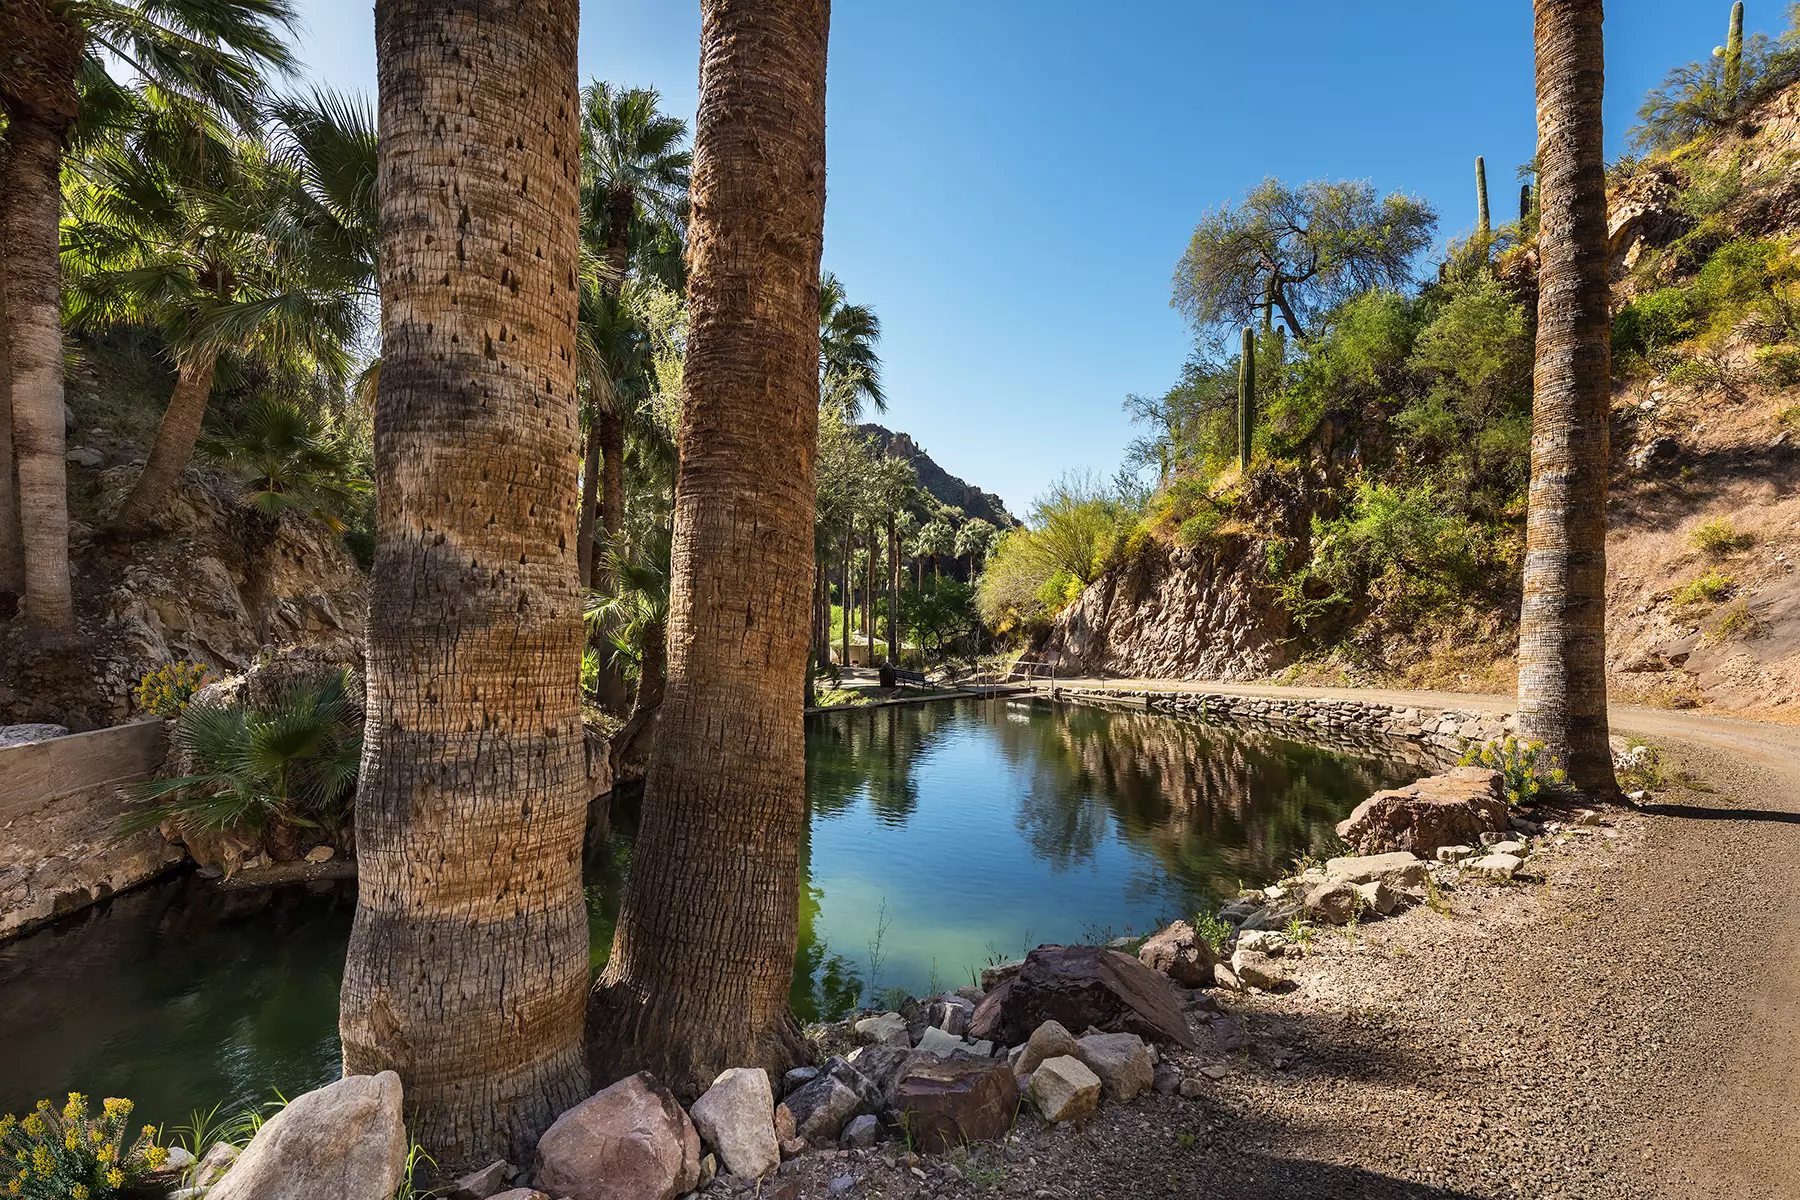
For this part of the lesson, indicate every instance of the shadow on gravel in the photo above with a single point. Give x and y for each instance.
(1702, 812)
(1343, 1046)
(1261, 1177)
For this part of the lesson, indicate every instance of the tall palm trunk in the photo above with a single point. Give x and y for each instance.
(468, 963)
(1562, 626)
(590, 491)
(33, 298)
(703, 956)
(846, 602)
(868, 606)
(174, 444)
(12, 551)
(608, 438)
(893, 548)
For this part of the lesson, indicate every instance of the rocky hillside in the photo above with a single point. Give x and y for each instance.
(1704, 516)
(943, 486)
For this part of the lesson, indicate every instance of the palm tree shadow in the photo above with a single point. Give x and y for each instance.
(1270, 1177)
(1705, 812)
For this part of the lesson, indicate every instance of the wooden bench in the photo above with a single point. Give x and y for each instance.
(892, 676)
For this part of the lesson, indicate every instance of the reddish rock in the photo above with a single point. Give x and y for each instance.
(1181, 954)
(956, 1101)
(1082, 987)
(631, 1141)
(1442, 810)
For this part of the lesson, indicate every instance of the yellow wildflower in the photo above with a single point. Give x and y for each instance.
(156, 1156)
(103, 1154)
(78, 1192)
(115, 1178)
(114, 1106)
(34, 1125)
(71, 1140)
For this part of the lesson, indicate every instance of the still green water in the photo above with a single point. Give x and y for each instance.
(941, 837)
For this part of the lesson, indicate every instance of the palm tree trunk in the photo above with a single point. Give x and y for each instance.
(468, 963)
(33, 296)
(653, 673)
(868, 606)
(703, 957)
(1562, 626)
(590, 492)
(174, 444)
(12, 551)
(846, 603)
(893, 549)
(610, 688)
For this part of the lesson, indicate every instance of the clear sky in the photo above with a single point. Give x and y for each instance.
(1012, 181)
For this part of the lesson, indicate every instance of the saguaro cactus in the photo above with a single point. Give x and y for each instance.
(1482, 224)
(1524, 203)
(1734, 52)
(1246, 397)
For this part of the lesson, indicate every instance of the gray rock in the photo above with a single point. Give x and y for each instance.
(736, 1117)
(1452, 854)
(214, 1163)
(1167, 1079)
(1192, 1089)
(936, 1041)
(1333, 902)
(1378, 898)
(1049, 1040)
(888, 1027)
(1256, 969)
(862, 1132)
(85, 456)
(841, 1186)
(25, 735)
(972, 994)
(630, 1141)
(1273, 916)
(1225, 977)
(1508, 847)
(1488, 839)
(871, 1069)
(1397, 869)
(950, 1014)
(480, 1185)
(992, 977)
(1063, 1089)
(1121, 1061)
(346, 1140)
(1499, 866)
(798, 1078)
(1264, 941)
(1180, 953)
(820, 1109)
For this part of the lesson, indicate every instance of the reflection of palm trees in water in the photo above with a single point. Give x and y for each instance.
(1215, 805)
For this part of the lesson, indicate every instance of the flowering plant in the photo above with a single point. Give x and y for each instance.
(70, 1155)
(167, 690)
(1517, 762)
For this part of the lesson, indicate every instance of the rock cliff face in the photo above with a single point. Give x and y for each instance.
(215, 586)
(1175, 614)
(947, 488)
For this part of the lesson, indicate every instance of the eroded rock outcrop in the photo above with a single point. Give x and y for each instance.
(1440, 810)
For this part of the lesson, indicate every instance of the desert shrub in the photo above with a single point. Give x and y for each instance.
(292, 763)
(1718, 537)
(1202, 526)
(1665, 317)
(1709, 588)
(73, 1155)
(165, 691)
(1517, 762)
(1779, 367)
(1737, 623)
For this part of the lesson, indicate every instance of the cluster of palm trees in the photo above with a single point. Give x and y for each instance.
(522, 223)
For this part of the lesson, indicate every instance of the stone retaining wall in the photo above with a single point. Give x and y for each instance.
(1444, 729)
(60, 802)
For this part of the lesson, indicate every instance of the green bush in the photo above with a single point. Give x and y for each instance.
(1718, 537)
(1663, 318)
(294, 763)
(72, 1155)
(1517, 762)
(165, 691)
(1709, 588)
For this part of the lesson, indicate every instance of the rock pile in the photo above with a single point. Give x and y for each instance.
(1440, 810)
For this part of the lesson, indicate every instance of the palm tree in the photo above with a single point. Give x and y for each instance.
(847, 336)
(973, 538)
(634, 180)
(467, 969)
(57, 52)
(12, 551)
(615, 369)
(180, 223)
(703, 953)
(1562, 625)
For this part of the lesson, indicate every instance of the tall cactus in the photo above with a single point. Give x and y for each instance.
(1524, 203)
(1734, 53)
(1246, 398)
(1482, 224)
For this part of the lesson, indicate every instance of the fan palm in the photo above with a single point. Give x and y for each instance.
(288, 461)
(847, 336)
(215, 240)
(57, 54)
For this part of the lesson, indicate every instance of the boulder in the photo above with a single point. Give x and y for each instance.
(1256, 969)
(1272, 916)
(992, 977)
(936, 1041)
(871, 1068)
(736, 1117)
(961, 1100)
(521, 1194)
(214, 1163)
(1333, 902)
(819, 1109)
(1082, 987)
(1499, 866)
(346, 1140)
(951, 1014)
(1378, 897)
(1180, 953)
(1452, 854)
(1441, 810)
(1122, 1062)
(1063, 1089)
(1049, 1040)
(1266, 941)
(480, 1185)
(888, 1027)
(1398, 869)
(861, 1133)
(25, 735)
(630, 1141)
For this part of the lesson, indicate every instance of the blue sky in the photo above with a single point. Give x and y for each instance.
(1012, 181)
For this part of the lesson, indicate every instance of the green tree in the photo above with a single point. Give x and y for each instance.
(847, 358)
(1706, 96)
(1303, 250)
(973, 537)
(57, 58)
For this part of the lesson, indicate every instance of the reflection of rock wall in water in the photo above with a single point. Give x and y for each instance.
(1179, 614)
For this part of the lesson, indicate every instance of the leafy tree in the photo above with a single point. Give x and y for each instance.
(57, 61)
(936, 538)
(1705, 97)
(973, 537)
(942, 618)
(1302, 250)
